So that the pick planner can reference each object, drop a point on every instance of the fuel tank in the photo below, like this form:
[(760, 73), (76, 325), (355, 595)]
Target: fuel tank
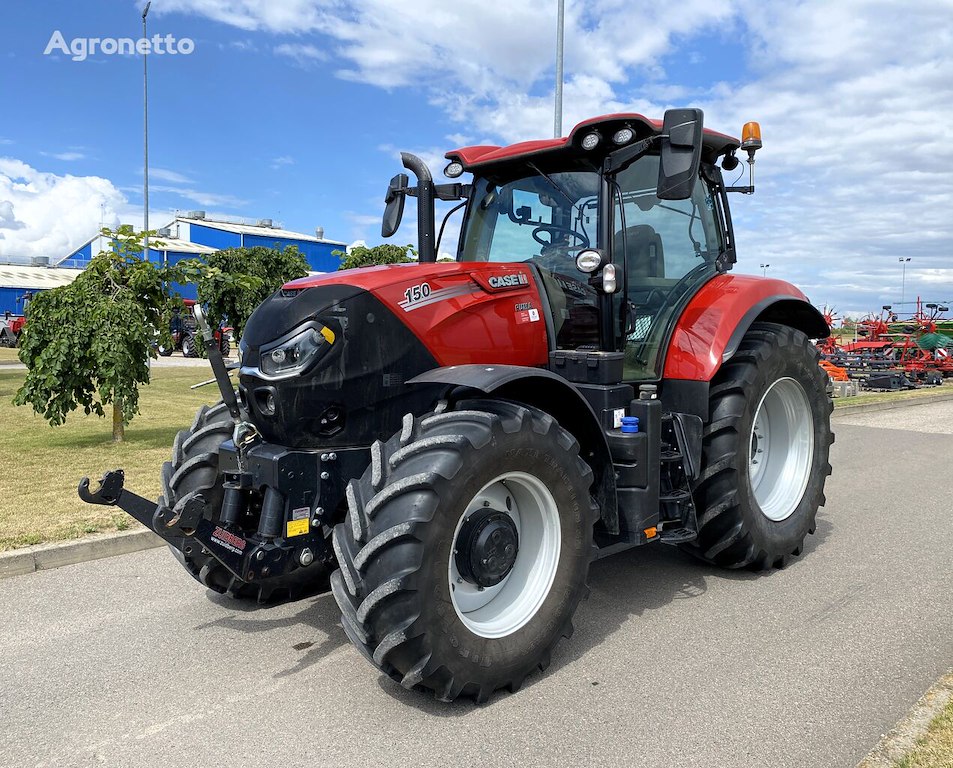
[(326, 358)]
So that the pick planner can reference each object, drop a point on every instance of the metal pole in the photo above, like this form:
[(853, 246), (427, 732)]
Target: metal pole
[(145, 134), (560, 18), (764, 270), (903, 279)]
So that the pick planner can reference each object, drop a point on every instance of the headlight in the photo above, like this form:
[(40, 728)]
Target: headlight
[(293, 353)]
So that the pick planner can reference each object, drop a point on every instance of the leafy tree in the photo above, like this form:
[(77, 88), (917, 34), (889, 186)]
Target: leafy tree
[(239, 279), (88, 343), (387, 253)]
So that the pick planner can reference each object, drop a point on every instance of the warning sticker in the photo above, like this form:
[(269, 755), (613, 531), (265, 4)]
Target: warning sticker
[(301, 513), (297, 527), (530, 315)]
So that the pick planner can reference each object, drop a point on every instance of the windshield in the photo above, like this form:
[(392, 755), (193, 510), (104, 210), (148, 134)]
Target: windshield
[(543, 218), (546, 219)]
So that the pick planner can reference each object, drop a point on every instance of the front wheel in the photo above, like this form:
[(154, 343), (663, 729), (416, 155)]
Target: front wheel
[(465, 548), (765, 452)]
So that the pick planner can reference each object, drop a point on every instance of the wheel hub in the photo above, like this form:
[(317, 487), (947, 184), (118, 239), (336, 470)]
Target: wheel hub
[(487, 546)]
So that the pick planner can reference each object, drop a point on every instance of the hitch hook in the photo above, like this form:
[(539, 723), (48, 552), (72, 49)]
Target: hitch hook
[(110, 488)]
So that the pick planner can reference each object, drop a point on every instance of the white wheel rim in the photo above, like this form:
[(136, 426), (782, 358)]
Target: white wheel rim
[(503, 609), (781, 449)]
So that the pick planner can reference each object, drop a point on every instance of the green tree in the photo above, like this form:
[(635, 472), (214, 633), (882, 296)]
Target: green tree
[(387, 253), (88, 343), (239, 279)]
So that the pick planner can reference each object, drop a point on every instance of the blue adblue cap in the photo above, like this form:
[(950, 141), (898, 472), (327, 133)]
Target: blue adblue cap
[(630, 423)]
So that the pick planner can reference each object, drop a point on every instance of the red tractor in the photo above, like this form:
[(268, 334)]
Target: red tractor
[(454, 443), (182, 332)]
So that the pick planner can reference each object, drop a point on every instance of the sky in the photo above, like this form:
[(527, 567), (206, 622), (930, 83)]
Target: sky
[(296, 110)]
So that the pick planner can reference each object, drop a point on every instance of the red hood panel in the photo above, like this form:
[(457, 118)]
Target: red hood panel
[(470, 312)]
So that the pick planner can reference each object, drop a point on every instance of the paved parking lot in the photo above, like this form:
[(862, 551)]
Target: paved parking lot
[(127, 662)]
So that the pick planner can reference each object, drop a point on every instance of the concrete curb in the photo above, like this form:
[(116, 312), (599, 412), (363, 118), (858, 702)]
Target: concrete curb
[(44, 556), (895, 745), (888, 405)]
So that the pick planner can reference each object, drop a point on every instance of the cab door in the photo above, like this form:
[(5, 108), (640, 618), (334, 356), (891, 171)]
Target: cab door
[(670, 249)]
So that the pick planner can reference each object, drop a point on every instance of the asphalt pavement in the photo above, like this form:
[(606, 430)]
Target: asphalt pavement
[(128, 662)]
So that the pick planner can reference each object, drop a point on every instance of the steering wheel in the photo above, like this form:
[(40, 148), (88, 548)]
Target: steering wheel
[(555, 229)]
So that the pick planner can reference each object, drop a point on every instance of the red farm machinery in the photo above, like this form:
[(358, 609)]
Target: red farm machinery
[(888, 352), (449, 445)]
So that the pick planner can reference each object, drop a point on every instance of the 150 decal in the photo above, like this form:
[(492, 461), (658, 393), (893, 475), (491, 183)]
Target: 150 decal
[(422, 295), (417, 293)]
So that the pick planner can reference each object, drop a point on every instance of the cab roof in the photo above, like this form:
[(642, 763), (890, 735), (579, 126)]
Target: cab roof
[(483, 158)]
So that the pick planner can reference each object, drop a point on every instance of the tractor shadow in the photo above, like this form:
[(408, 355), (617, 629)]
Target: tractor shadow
[(317, 621), (624, 586)]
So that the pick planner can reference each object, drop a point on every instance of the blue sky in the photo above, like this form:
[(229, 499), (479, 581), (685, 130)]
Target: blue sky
[(296, 110)]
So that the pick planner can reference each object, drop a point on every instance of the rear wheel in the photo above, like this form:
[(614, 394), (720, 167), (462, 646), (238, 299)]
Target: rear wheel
[(194, 468), (765, 452), (465, 549), (188, 346)]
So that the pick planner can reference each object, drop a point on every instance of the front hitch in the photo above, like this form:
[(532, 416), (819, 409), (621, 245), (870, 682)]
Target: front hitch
[(170, 524), (246, 559)]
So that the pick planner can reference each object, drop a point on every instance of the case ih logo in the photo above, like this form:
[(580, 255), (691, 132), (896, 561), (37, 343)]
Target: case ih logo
[(508, 281)]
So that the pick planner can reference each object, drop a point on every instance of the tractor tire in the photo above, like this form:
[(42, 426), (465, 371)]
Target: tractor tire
[(188, 346), (465, 548), (164, 351), (225, 346), (764, 453), (194, 467)]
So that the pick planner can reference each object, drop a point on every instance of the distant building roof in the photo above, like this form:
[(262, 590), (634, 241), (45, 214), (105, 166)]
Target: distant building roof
[(36, 277), (254, 229), (178, 246)]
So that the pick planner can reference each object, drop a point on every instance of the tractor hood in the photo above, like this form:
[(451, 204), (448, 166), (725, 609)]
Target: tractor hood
[(326, 358), (462, 312)]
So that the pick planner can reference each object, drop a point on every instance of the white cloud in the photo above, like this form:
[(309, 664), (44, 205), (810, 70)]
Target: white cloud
[(173, 177), (44, 214), (303, 54), (208, 199), (855, 99), (282, 162), (65, 156)]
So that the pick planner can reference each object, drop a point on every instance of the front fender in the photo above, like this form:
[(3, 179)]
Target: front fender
[(713, 324)]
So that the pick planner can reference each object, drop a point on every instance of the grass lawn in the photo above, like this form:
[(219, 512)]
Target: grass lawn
[(935, 748), (42, 465), (8, 355), (884, 397)]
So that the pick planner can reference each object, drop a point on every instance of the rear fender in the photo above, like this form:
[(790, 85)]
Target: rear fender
[(556, 396), (715, 321)]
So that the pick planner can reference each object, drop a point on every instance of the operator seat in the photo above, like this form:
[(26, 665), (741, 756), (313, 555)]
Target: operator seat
[(645, 264), (643, 251)]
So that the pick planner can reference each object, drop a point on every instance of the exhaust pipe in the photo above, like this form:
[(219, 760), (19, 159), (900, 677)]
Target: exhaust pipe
[(425, 206)]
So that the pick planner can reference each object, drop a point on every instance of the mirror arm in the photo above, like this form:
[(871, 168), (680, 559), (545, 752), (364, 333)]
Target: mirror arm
[(452, 192), (621, 159)]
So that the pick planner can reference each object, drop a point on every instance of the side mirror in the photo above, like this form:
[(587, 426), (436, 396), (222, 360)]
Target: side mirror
[(394, 204), (680, 154)]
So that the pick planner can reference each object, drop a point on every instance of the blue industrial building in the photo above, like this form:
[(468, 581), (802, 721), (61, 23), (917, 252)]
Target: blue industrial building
[(187, 236), (192, 234), (19, 282)]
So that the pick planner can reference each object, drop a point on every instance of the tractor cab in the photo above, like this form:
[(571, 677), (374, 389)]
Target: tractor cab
[(623, 220)]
